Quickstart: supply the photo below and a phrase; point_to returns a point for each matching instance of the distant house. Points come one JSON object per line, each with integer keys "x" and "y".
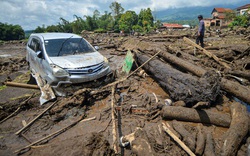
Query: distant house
{"x": 243, "y": 9}
{"x": 218, "y": 17}
{"x": 172, "y": 26}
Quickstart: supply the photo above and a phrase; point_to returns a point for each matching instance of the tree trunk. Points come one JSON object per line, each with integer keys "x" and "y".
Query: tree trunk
{"x": 182, "y": 86}
{"x": 240, "y": 91}
{"x": 237, "y": 131}
{"x": 193, "y": 115}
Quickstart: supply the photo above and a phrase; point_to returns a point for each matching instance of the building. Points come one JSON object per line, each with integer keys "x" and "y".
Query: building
{"x": 218, "y": 17}
{"x": 243, "y": 9}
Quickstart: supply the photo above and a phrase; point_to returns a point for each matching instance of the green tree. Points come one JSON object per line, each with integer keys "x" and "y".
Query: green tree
{"x": 78, "y": 25}
{"x": 40, "y": 29}
{"x": 145, "y": 18}
{"x": 65, "y": 26}
{"x": 241, "y": 20}
{"x": 90, "y": 23}
{"x": 11, "y": 32}
{"x": 52, "y": 28}
{"x": 106, "y": 21}
{"x": 117, "y": 11}
{"x": 128, "y": 20}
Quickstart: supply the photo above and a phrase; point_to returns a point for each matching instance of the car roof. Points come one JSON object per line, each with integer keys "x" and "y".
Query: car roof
{"x": 47, "y": 36}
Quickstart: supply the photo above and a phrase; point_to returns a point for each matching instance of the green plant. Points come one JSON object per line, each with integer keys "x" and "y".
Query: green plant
{"x": 3, "y": 87}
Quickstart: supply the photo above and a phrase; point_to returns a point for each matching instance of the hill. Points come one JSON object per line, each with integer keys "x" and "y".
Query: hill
{"x": 188, "y": 13}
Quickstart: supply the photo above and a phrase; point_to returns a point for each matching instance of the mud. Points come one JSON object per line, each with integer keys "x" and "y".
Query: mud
{"x": 139, "y": 101}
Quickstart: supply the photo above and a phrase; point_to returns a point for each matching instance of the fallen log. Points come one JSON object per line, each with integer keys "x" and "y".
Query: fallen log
{"x": 210, "y": 55}
{"x": 244, "y": 74}
{"x": 193, "y": 115}
{"x": 166, "y": 129}
{"x": 188, "y": 139}
{"x": 209, "y": 149}
{"x": 237, "y": 131}
{"x": 200, "y": 143}
{"x": 234, "y": 88}
{"x": 182, "y": 86}
{"x": 168, "y": 36}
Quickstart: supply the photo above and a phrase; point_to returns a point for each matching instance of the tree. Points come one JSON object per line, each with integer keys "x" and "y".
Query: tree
{"x": 90, "y": 23}
{"x": 240, "y": 20}
{"x": 78, "y": 25}
{"x": 145, "y": 18}
{"x": 117, "y": 9}
{"x": 106, "y": 21}
{"x": 128, "y": 20}
{"x": 65, "y": 26}
{"x": 39, "y": 29}
{"x": 11, "y": 32}
{"x": 52, "y": 28}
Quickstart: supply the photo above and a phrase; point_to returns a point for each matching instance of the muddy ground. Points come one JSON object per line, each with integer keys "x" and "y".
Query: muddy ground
{"x": 138, "y": 99}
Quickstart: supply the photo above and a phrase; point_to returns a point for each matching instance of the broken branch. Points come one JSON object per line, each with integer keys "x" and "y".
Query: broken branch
{"x": 55, "y": 133}
{"x": 210, "y": 55}
{"x": 31, "y": 122}
{"x": 177, "y": 140}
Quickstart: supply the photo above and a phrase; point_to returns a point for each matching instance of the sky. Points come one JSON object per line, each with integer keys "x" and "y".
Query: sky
{"x": 33, "y": 13}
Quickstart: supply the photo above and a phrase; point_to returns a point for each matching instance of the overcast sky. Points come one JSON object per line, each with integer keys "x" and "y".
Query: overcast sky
{"x": 33, "y": 13}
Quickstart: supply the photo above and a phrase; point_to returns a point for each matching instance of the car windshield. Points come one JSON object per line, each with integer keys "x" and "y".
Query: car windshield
{"x": 70, "y": 46}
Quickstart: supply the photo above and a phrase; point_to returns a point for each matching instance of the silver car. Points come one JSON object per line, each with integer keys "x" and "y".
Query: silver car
{"x": 64, "y": 58}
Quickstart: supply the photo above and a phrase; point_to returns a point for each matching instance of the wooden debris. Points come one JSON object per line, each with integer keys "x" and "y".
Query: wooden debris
{"x": 183, "y": 86}
{"x": 188, "y": 139}
{"x": 17, "y": 110}
{"x": 56, "y": 133}
{"x": 209, "y": 149}
{"x": 237, "y": 131}
{"x": 200, "y": 143}
{"x": 193, "y": 115}
{"x": 114, "y": 125}
{"x": 167, "y": 130}
{"x": 31, "y": 122}
{"x": 22, "y": 85}
{"x": 210, "y": 55}
{"x": 240, "y": 91}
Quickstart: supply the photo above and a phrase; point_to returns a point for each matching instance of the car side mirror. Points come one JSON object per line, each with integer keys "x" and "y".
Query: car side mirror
{"x": 39, "y": 54}
{"x": 96, "y": 47}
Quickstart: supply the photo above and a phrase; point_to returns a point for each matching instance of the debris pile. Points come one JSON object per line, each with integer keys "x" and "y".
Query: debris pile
{"x": 178, "y": 99}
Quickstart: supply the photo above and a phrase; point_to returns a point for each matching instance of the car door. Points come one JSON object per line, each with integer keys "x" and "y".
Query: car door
{"x": 37, "y": 57}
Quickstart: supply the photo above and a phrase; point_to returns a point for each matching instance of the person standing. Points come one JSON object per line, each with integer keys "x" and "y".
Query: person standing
{"x": 201, "y": 31}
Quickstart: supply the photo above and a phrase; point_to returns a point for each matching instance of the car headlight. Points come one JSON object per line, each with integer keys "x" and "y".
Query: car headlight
{"x": 59, "y": 72}
{"x": 106, "y": 62}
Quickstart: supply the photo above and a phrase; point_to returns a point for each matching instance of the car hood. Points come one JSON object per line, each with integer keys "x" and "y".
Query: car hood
{"x": 76, "y": 61}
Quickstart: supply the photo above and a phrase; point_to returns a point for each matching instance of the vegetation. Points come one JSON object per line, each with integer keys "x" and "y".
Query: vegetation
{"x": 11, "y": 32}
{"x": 116, "y": 21}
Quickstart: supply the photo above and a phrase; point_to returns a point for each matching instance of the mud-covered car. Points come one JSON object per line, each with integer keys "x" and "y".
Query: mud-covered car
{"x": 64, "y": 58}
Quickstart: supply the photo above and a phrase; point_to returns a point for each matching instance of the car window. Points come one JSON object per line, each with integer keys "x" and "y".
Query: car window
{"x": 35, "y": 45}
{"x": 67, "y": 46}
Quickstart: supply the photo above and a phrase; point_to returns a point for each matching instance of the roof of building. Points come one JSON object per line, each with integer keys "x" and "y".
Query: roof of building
{"x": 247, "y": 6}
{"x": 172, "y": 25}
{"x": 222, "y": 10}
